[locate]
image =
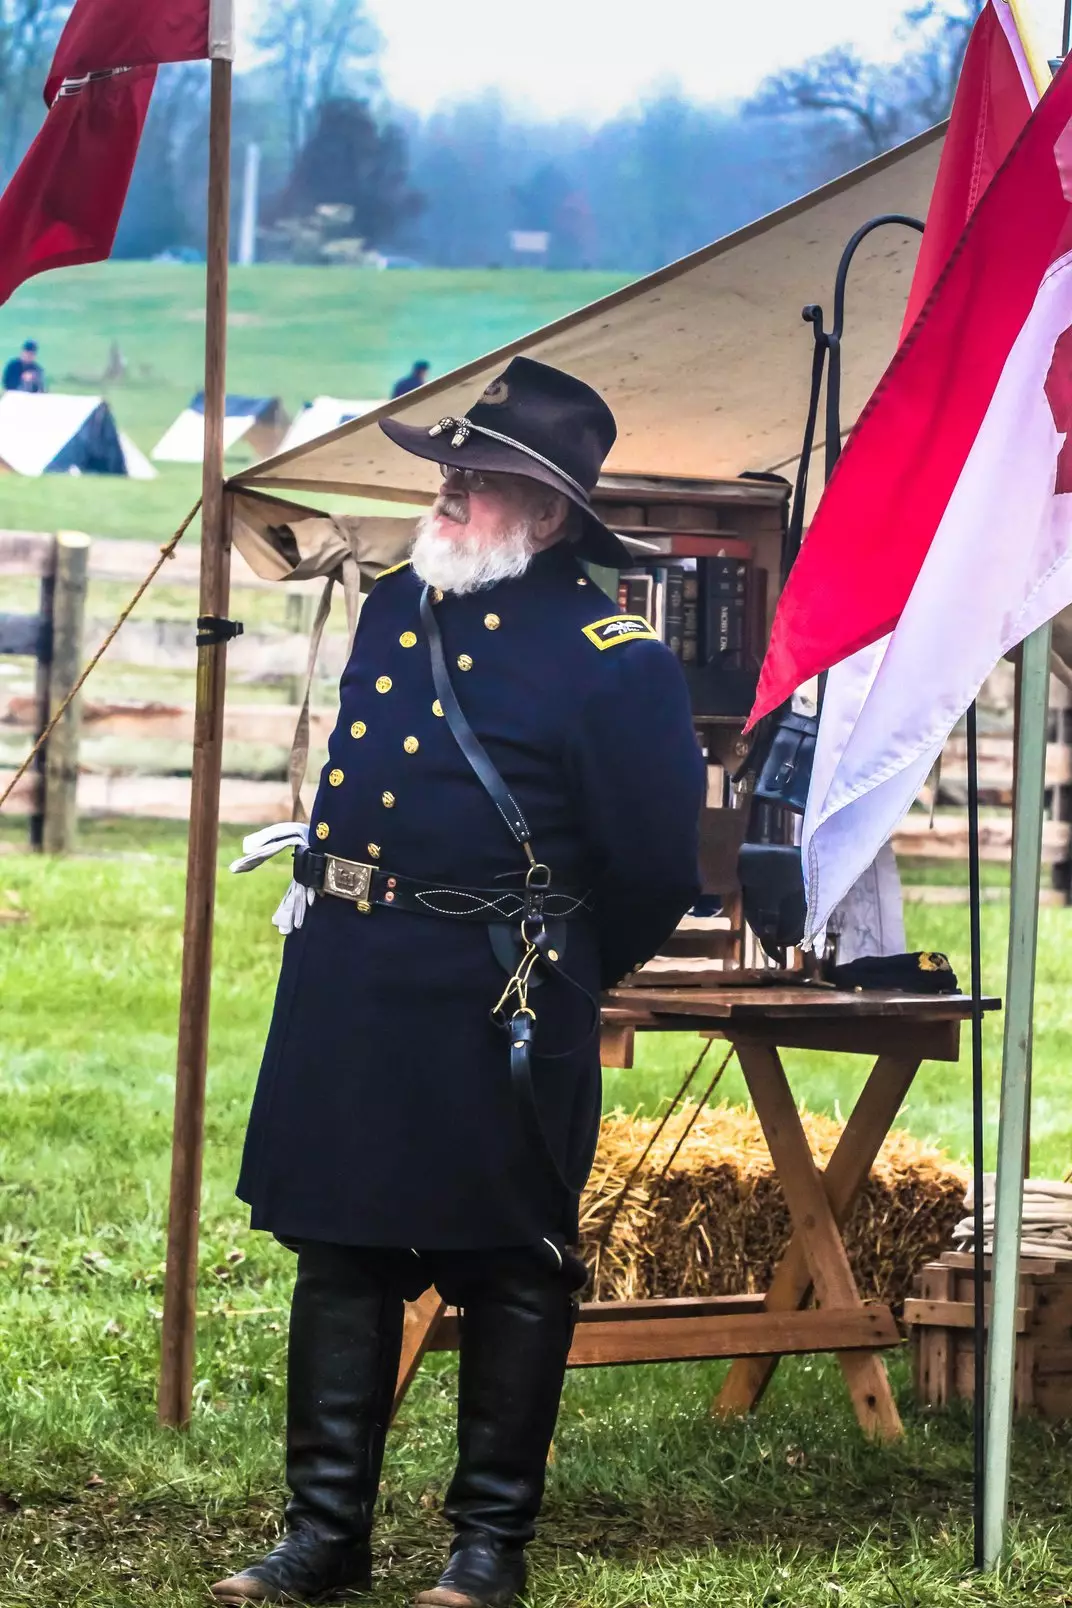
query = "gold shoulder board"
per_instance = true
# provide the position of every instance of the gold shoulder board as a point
(394, 569)
(619, 628)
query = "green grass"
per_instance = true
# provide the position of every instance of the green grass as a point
(294, 333)
(650, 1503)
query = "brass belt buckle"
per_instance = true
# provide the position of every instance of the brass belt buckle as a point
(349, 879)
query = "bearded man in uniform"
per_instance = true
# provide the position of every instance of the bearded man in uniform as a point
(506, 824)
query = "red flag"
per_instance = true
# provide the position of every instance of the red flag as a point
(995, 94)
(64, 203)
(859, 561)
(945, 535)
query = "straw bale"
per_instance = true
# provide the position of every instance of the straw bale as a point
(715, 1222)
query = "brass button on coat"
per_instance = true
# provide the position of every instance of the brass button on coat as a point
(437, 709)
(437, 595)
(374, 851)
(411, 745)
(322, 830)
(384, 684)
(582, 580)
(464, 661)
(388, 801)
(408, 639)
(336, 778)
(358, 729)
(492, 622)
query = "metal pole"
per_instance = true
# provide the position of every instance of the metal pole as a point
(1028, 809)
(978, 1161)
(180, 1288)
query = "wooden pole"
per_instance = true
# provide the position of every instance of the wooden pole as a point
(68, 622)
(42, 696)
(180, 1287)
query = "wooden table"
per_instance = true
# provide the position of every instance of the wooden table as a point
(900, 1031)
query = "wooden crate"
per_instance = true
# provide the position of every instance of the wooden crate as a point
(941, 1322)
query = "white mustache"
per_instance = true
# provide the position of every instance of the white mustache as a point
(450, 506)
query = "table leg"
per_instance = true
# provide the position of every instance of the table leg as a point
(423, 1317)
(816, 1229)
(846, 1173)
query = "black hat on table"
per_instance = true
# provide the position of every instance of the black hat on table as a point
(536, 421)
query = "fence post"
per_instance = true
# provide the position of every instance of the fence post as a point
(42, 684)
(68, 620)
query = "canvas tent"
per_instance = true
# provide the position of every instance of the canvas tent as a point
(56, 434)
(324, 413)
(706, 364)
(260, 420)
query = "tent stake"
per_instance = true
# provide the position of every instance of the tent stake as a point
(180, 1288)
(1015, 1084)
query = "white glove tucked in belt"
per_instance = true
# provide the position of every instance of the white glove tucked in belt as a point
(264, 845)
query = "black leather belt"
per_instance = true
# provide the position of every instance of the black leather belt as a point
(368, 885)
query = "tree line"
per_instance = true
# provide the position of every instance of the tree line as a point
(342, 167)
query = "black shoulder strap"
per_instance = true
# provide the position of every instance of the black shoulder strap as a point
(464, 734)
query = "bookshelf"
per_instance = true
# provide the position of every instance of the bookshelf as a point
(705, 573)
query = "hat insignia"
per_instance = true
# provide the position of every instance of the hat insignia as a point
(497, 391)
(461, 428)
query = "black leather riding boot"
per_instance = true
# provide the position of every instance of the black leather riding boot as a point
(516, 1326)
(345, 1339)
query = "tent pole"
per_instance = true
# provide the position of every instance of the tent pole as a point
(1015, 1084)
(180, 1288)
(978, 1163)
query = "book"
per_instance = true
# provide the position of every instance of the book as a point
(690, 616)
(658, 602)
(682, 516)
(722, 588)
(674, 627)
(755, 632)
(691, 544)
(639, 589)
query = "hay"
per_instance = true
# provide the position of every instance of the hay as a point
(717, 1223)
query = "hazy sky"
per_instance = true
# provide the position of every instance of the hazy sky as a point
(594, 56)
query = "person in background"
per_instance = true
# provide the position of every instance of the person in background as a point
(24, 373)
(411, 381)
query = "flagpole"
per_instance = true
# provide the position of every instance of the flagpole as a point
(180, 1287)
(1029, 802)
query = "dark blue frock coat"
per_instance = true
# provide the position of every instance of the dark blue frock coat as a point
(383, 1114)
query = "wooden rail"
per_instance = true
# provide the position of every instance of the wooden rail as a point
(278, 656)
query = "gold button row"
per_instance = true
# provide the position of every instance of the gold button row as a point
(408, 639)
(384, 684)
(492, 622)
(464, 661)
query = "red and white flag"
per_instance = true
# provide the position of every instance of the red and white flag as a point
(64, 203)
(945, 535)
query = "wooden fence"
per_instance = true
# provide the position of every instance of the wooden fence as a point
(133, 754)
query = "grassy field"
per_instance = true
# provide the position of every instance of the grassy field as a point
(295, 333)
(649, 1502)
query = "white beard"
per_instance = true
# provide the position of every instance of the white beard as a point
(454, 564)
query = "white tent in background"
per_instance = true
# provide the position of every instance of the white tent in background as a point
(55, 434)
(260, 420)
(324, 413)
(138, 465)
(706, 363)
